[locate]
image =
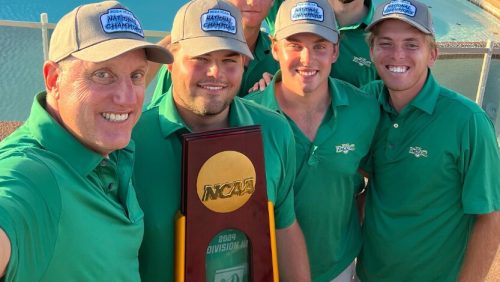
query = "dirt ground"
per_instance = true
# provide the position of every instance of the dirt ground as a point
(6, 127)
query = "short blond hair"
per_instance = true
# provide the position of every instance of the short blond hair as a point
(370, 37)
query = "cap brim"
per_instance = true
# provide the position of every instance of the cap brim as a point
(322, 31)
(203, 45)
(401, 18)
(112, 48)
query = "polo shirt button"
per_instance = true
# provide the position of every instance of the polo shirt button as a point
(390, 146)
(396, 125)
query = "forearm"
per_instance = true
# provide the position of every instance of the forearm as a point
(4, 252)
(293, 262)
(481, 248)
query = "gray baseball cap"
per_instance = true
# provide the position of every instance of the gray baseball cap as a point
(203, 26)
(412, 12)
(101, 31)
(311, 16)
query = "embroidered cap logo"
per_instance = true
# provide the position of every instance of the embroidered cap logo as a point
(218, 20)
(307, 11)
(121, 20)
(400, 7)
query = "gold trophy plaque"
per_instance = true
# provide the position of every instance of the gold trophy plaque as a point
(225, 228)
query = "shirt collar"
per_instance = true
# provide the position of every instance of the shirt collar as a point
(339, 98)
(171, 121)
(262, 46)
(53, 137)
(425, 100)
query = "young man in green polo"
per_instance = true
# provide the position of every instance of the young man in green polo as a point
(353, 63)
(432, 209)
(206, 76)
(329, 147)
(68, 211)
(253, 12)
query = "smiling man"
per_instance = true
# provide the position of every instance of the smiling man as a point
(253, 12)
(68, 211)
(329, 148)
(352, 16)
(432, 210)
(209, 49)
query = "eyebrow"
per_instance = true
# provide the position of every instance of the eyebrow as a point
(232, 54)
(294, 39)
(405, 39)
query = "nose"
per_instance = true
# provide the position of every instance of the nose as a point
(399, 52)
(305, 56)
(213, 70)
(126, 93)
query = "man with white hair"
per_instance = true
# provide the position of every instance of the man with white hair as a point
(68, 210)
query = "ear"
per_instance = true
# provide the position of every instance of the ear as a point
(274, 48)
(433, 57)
(51, 73)
(371, 53)
(335, 54)
(169, 67)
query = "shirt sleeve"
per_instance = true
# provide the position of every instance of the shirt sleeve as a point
(479, 166)
(28, 217)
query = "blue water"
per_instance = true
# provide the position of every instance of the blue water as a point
(21, 56)
(153, 14)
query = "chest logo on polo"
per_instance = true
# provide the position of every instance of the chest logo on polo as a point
(226, 181)
(362, 61)
(345, 148)
(418, 152)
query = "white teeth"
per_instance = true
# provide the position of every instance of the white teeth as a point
(114, 117)
(398, 69)
(212, 87)
(307, 73)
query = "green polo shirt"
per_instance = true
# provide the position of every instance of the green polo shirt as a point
(325, 183)
(435, 166)
(157, 174)
(262, 62)
(70, 214)
(353, 64)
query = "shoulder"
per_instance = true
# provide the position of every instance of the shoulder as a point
(255, 96)
(458, 101)
(261, 114)
(356, 96)
(28, 177)
(374, 88)
(149, 119)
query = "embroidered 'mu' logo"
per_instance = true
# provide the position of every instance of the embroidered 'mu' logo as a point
(345, 148)
(418, 152)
